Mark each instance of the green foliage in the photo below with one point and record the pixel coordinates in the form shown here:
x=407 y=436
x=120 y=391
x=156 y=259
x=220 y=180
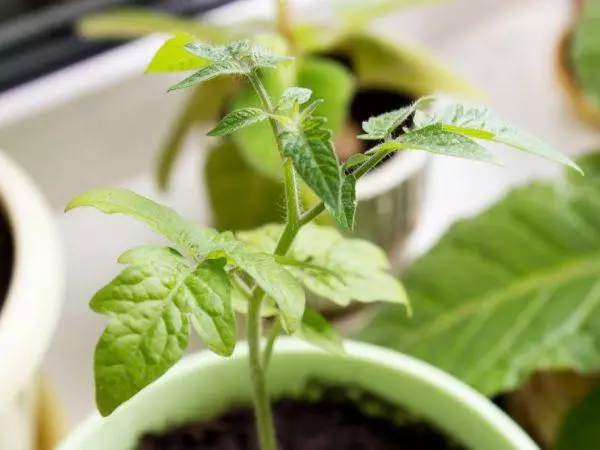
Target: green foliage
x=292 y=96
x=173 y=57
x=580 y=430
x=584 y=51
x=238 y=119
x=507 y=293
x=316 y=330
x=354 y=269
x=383 y=126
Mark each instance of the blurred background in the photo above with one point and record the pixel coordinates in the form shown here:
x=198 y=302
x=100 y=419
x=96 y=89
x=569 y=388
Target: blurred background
x=77 y=112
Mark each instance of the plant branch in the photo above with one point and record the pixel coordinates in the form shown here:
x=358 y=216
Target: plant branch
x=275 y=330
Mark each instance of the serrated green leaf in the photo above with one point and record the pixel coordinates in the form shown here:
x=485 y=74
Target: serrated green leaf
x=204 y=105
x=346 y=215
x=150 y=304
x=193 y=239
x=383 y=125
x=241 y=198
x=580 y=429
x=475 y=121
x=316 y=162
x=360 y=268
x=292 y=95
x=263 y=57
x=238 y=119
x=278 y=283
x=212 y=71
x=317 y=331
x=214 y=53
x=510 y=292
x=331 y=81
x=434 y=139
x=208 y=293
x=172 y=56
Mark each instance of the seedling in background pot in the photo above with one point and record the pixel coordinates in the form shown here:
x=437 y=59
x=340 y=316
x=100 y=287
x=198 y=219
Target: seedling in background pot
x=206 y=276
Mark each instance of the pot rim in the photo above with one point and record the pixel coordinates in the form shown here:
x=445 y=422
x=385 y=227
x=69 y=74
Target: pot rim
x=358 y=350
x=395 y=171
x=32 y=305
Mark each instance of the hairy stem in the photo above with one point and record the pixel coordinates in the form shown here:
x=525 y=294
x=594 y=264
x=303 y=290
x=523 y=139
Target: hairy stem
x=275 y=330
x=258 y=363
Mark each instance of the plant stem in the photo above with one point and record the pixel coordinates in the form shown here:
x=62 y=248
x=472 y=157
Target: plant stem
x=311 y=214
x=258 y=364
x=275 y=329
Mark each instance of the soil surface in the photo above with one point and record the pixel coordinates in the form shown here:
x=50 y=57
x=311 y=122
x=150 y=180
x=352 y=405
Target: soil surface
x=327 y=424
x=6 y=257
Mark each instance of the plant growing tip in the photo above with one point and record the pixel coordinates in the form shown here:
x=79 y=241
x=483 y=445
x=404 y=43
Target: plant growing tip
x=203 y=276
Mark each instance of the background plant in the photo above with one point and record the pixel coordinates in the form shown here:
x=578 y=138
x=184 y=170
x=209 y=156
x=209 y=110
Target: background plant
x=203 y=276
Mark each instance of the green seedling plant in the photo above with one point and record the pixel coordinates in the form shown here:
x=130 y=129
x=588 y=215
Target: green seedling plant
x=204 y=277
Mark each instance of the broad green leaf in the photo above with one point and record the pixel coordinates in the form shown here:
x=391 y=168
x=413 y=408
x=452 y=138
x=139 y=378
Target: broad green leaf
x=212 y=71
x=346 y=215
x=584 y=51
x=213 y=53
x=204 y=105
x=134 y=22
x=580 y=430
x=238 y=119
x=471 y=121
x=278 y=283
x=292 y=95
x=172 y=56
x=360 y=268
x=507 y=293
x=149 y=304
x=332 y=82
x=356 y=13
x=316 y=162
x=317 y=331
x=383 y=125
x=434 y=139
x=195 y=240
x=241 y=198
x=208 y=293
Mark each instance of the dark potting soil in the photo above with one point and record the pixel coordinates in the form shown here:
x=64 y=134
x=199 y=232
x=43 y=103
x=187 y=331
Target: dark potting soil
x=6 y=256
x=331 y=423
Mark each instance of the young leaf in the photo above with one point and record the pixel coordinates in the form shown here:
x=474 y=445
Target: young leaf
x=277 y=282
x=214 y=53
x=317 y=331
x=315 y=161
x=482 y=123
x=172 y=56
x=195 y=240
x=149 y=304
x=292 y=95
x=434 y=139
x=383 y=125
x=359 y=267
x=265 y=58
x=212 y=71
x=345 y=216
x=237 y=120
x=510 y=292
x=208 y=293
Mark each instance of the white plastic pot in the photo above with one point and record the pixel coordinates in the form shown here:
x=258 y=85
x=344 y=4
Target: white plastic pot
x=205 y=385
x=31 y=307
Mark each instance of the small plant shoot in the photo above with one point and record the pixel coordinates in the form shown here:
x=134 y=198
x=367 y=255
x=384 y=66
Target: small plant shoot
x=203 y=278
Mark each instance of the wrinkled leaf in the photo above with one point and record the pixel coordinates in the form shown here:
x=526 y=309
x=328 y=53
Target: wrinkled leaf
x=360 y=268
x=277 y=282
x=346 y=215
x=238 y=119
x=149 y=304
x=292 y=95
x=471 y=121
x=214 y=53
x=195 y=240
x=383 y=125
x=512 y=291
x=212 y=71
x=317 y=331
x=264 y=57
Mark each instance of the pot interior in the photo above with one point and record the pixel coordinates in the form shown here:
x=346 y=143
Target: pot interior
x=6 y=255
